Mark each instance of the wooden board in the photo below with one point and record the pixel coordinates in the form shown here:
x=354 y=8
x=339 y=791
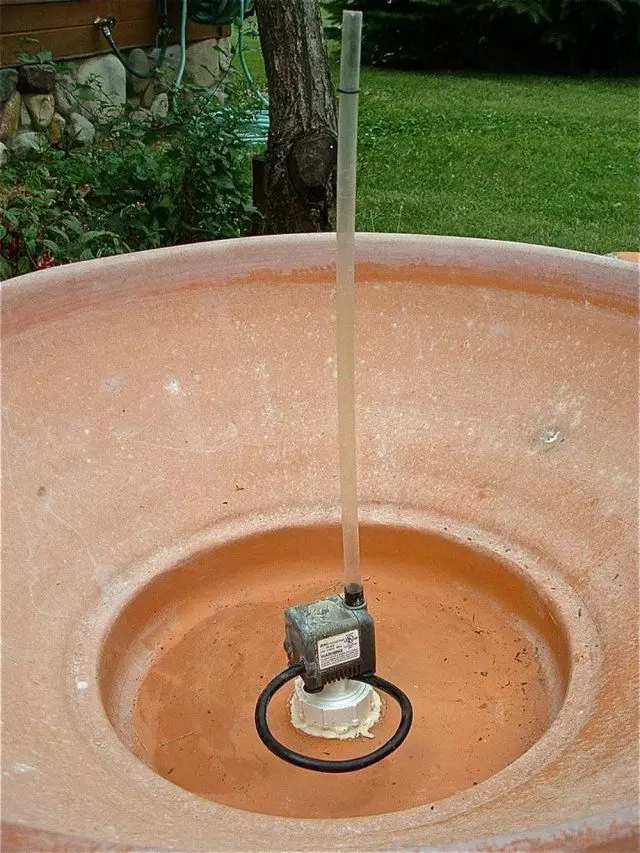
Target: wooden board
x=66 y=27
x=26 y=2
x=27 y=17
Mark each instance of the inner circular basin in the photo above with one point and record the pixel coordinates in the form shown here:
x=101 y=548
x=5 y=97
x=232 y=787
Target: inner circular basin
x=459 y=628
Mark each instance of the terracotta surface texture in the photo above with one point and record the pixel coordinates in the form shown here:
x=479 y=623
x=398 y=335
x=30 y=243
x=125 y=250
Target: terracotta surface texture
x=480 y=656
x=627 y=256
x=170 y=484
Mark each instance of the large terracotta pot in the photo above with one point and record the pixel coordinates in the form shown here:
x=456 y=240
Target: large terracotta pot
x=170 y=484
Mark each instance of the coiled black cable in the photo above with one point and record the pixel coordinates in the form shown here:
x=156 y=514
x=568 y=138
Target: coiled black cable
x=320 y=764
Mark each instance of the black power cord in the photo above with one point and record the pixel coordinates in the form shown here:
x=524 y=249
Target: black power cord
x=320 y=764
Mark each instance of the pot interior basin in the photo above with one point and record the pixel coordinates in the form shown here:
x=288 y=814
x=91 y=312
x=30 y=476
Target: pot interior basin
x=171 y=485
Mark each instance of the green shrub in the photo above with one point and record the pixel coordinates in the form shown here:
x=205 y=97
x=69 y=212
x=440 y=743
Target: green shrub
x=139 y=186
x=568 y=36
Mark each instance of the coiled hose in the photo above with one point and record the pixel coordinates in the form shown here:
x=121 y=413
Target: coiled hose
x=321 y=764
x=218 y=12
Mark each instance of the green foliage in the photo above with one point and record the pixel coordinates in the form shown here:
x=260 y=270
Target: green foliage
x=140 y=186
x=41 y=227
x=534 y=159
x=34 y=58
x=40 y=58
x=567 y=36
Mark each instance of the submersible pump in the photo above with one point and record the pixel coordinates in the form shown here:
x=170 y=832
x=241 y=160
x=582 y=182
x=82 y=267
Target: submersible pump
x=330 y=643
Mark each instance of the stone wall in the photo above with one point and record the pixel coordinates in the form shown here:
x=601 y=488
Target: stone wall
x=49 y=104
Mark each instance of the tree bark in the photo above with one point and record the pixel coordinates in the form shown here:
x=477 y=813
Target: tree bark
x=300 y=167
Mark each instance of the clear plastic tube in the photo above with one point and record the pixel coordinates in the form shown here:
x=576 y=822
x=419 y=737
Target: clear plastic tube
x=345 y=290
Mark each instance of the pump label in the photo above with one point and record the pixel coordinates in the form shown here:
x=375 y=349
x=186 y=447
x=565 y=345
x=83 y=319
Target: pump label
x=343 y=648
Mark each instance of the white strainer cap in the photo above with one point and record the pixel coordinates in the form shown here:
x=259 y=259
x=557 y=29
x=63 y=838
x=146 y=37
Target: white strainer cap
x=344 y=709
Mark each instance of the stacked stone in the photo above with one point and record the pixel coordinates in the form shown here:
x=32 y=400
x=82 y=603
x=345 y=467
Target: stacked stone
x=40 y=101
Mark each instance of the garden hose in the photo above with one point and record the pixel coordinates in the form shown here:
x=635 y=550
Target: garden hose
x=322 y=765
x=257 y=130
x=106 y=25
x=218 y=12
x=243 y=61
x=213 y=12
x=183 y=45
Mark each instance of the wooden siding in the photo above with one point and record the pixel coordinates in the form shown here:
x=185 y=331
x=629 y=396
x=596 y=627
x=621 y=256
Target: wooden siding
x=65 y=27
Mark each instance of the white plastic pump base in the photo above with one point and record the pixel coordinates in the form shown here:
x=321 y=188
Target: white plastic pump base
x=344 y=709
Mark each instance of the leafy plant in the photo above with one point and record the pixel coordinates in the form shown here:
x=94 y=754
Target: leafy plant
x=38 y=58
x=41 y=227
x=141 y=185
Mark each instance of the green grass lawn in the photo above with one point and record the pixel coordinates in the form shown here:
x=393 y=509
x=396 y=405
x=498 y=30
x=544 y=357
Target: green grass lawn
x=535 y=159
x=532 y=159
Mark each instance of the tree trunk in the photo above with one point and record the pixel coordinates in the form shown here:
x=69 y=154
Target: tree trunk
x=300 y=168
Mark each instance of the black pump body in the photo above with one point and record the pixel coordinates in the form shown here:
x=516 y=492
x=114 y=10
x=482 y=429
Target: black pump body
x=331 y=639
